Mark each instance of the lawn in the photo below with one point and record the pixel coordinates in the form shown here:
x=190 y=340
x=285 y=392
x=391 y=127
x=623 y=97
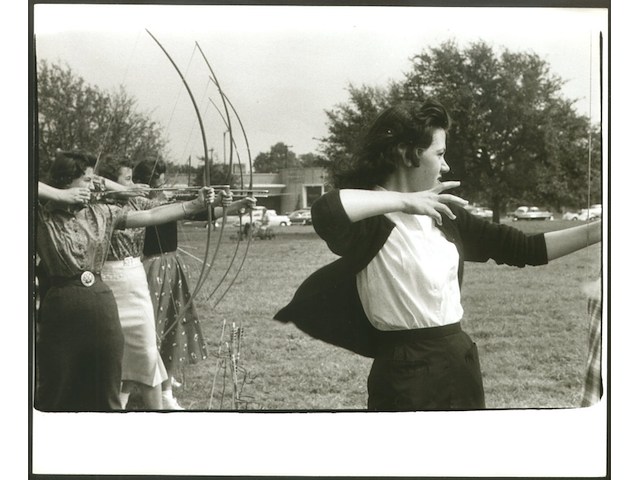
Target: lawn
x=529 y=324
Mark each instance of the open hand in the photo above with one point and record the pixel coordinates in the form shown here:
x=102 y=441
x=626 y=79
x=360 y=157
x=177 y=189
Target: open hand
x=433 y=202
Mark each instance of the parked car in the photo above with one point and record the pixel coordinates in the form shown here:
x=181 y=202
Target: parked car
x=257 y=216
x=584 y=214
x=531 y=213
x=478 y=211
x=271 y=217
x=260 y=214
x=303 y=217
x=571 y=215
x=593 y=212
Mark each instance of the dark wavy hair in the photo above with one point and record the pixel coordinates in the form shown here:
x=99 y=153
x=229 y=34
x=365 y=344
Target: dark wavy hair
x=69 y=165
x=409 y=123
x=148 y=170
x=110 y=166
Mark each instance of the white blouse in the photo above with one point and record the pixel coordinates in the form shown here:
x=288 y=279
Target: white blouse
x=412 y=281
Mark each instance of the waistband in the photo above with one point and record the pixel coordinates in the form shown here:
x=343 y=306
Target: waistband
x=429 y=333
x=151 y=256
x=85 y=279
x=125 y=262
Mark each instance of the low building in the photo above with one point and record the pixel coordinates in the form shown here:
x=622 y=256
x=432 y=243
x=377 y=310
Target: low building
x=289 y=189
x=302 y=186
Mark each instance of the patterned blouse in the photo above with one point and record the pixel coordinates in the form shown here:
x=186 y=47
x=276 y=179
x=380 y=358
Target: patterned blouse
x=71 y=240
x=129 y=242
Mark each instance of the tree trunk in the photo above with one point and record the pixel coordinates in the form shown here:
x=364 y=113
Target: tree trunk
x=496 y=207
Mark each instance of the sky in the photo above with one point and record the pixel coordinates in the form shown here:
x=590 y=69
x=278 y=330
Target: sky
x=283 y=66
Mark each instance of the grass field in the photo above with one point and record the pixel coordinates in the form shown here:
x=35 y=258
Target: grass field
x=529 y=324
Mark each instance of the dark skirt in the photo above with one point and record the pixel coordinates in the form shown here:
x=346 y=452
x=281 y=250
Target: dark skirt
x=426 y=369
x=79 y=349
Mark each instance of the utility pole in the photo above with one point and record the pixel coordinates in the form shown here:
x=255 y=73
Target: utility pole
x=286 y=154
x=188 y=181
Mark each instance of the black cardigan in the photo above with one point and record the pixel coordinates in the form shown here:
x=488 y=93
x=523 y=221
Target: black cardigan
x=327 y=306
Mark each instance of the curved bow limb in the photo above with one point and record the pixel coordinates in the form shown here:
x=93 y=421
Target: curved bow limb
x=250 y=192
x=227 y=102
x=204 y=271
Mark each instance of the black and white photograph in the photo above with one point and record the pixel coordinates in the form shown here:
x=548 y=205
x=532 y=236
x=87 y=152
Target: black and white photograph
x=320 y=240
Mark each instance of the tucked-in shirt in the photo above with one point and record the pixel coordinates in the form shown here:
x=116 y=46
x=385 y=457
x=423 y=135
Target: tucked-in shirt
x=160 y=238
x=129 y=242
x=327 y=304
x=70 y=241
x=412 y=281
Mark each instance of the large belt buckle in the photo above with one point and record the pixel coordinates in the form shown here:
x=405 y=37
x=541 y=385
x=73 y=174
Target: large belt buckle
x=87 y=279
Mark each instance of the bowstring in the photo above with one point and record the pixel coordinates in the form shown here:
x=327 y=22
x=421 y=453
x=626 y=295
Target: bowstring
x=248 y=149
x=178 y=311
x=167 y=330
x=237 y=244
x=105 y=137
x=227 y=102
x=182 y=231
x=205 y=271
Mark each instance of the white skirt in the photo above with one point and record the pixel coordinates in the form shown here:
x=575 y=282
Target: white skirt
x=141 y=361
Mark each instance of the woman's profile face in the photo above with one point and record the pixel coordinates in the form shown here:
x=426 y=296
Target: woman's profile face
x=83 y=181
x=158 y=181
x=432 y=164
x=125 y=176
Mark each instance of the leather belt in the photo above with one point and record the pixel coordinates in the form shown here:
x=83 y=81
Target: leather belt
x=86 y=278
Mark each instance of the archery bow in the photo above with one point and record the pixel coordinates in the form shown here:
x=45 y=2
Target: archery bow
x=204 y=271
x=226 y=103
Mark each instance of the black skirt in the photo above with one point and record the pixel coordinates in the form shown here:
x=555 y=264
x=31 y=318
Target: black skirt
x=79 y=348
x=426 y=369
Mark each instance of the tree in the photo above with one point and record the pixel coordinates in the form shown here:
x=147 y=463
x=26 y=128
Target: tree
x=280 y=156
x=219 y=175
x=74 y=115
x=513 y=137
x=347 y=122
x=312 y=160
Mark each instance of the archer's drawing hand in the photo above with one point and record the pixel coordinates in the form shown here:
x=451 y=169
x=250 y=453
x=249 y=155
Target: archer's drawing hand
x=433 y=202
x=137 y=190
x=140 y=189
x=75 y=195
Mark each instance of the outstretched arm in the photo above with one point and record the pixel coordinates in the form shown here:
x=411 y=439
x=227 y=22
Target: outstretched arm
x=563 y=242
x=361 y=204
x=172 y=212
x=124 y=192
x=63 y=195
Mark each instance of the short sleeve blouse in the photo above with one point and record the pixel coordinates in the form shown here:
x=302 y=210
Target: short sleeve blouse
x=70 y=241
x=129 y=242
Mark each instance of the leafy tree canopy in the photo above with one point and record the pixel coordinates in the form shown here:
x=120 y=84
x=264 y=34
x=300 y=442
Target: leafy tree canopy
x=514 y=139
x=280 y=156
x=75 y=115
